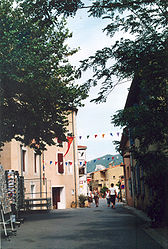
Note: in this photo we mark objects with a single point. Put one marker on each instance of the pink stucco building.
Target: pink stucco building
(54, 174)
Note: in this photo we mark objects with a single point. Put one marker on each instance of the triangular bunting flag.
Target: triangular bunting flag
(70, 139)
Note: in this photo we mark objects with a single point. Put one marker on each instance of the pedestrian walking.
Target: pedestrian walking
(112, 195)
(96, 197)
(119, 196)
(90, 197)
(108, 197)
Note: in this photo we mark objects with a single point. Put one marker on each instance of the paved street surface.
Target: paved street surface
(82, 228)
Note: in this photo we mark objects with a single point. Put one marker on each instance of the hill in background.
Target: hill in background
(104, 161)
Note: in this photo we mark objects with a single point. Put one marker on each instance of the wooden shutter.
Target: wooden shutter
(35, 163)
(23, 160)
(60, 163)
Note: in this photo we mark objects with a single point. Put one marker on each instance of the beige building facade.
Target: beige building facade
(104, 177)
(53, 175)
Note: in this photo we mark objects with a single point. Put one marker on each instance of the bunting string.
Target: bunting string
(103, 135)
(82, 163)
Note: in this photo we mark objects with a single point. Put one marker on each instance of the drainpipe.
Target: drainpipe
(74, 156)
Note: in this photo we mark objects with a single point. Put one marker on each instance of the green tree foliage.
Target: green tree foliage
(36, 80)
(143, 25)
(47, 11)
(142, 55)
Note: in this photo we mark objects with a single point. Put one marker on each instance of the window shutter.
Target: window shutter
(60, 163)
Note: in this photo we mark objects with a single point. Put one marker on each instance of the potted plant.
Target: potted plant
(82, 199)
(73, 204)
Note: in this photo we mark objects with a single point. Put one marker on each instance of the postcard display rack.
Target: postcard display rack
(11, 198)
(5, 205)
(15, 188)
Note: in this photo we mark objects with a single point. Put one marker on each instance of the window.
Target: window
(81, 171)
(60, 163)
(23, 160)
(35, 163)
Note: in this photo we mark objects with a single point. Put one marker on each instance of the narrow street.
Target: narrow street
(82, 228)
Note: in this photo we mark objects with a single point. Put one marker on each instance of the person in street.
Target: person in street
(119, 196)
(112, 195)
(90, 198)
(108, 197)
(96, 197)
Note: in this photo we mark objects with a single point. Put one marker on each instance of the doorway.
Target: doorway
(58, 197)
(32, 191)
(55, 197)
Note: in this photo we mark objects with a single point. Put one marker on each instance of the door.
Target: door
(32, 191)
(55, 197)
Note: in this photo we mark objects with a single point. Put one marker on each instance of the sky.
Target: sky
(95, 119)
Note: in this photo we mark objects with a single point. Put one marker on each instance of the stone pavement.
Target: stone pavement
(83, 228)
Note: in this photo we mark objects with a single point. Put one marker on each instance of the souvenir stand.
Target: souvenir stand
(15, 188)
(5, 205)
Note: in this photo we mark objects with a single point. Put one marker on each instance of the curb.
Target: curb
(162, 240)
(160, 237)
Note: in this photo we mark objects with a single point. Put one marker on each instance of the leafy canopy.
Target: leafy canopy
(36, 80)
(143, 25)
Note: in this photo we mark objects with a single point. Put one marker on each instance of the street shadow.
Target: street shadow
(44, 215)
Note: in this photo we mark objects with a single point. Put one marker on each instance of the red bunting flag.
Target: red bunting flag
(70, 139)
(56, 163)
(95, 135)
(103, 135)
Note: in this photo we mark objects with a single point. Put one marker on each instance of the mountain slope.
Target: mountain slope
(104, 161)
